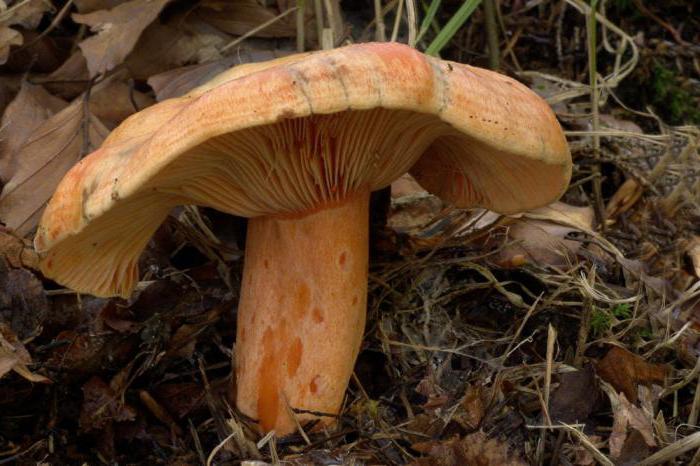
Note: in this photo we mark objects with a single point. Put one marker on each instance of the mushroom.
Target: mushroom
(297, 144)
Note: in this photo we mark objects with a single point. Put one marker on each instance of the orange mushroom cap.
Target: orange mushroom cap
(293, 135)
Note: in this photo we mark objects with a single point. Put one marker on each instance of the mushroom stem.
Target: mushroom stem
(301, 314)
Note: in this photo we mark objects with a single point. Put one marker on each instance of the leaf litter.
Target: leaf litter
(542, 338)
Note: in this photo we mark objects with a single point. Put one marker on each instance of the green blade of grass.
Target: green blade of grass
(429, 16)
(452, 26)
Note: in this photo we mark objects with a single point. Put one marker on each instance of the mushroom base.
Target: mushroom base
(301, 315)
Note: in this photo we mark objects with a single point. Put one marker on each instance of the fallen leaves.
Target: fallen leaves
(104, 404)
(30, 108)
(540, 236)
(474, 449)
(17, 252)
(53, 148)
(626, 418)
(240, 16)
(14, 356)
(625, 371)
(118, 30)
(573, 401)
(27, 14)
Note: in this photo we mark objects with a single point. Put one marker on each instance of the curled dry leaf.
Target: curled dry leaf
(118, 30)
(628, 417)
(29, 109)
(26, 14)
(17, 252)
(540, 235)
(54, 147)
(15, 357)
(625, 371)
(624, 198)
(693, 252)
(8, 38)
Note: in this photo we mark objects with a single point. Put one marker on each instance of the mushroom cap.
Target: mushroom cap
(297, 133)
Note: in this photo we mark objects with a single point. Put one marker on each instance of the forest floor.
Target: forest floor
(567, 335)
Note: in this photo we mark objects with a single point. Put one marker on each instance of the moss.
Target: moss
(676, 104)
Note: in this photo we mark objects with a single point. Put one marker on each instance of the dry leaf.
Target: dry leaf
(625, 371)
(102, 406)
(412, 207)
(539, 236)
(17, 252)
(627, 416)
(179, 81)
(693, 253)
(116, 101)
(70, 79)
(163, 47)
(573, 401)
(15, 357)
(88, 6)
(26, 14)
(30, 108)
(8, 38)
(240, 16)
(474, 450)
(118, 30)
(624, 198)
(46, 156)
(23, 303)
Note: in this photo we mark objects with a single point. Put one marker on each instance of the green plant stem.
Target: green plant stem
(492, 34)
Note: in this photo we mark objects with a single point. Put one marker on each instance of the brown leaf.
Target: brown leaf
(102, 405)
(15, 357)
(625, 371)
(180, 398)
(118, 30)
(240, 16)
(17, 252)
(474, 450)
(575, 397)
(624, 198)
(412, 207)
(8, 38)
(23, 303)
(163, 47)
(539, 236)
(693, 252)
(54, 147)
(29, 109)
(179, 81)
(474, 403)
(627, 417)
(116, 101)
(27, 14)
(65, 81)
(88, 6)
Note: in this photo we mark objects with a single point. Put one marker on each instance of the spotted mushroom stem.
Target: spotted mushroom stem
(301, 314)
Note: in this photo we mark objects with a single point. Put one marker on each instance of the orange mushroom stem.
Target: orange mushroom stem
(301, 314)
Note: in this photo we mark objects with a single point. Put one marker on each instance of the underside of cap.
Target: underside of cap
(293, 135)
